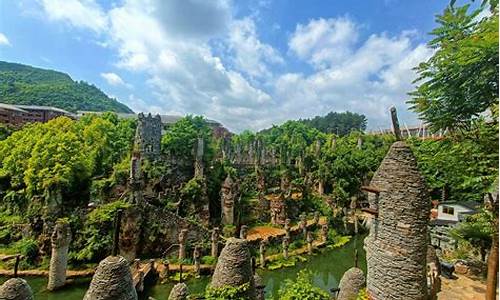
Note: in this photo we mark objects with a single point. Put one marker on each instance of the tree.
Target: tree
(477, 231)
(460, 81)
(338, 123)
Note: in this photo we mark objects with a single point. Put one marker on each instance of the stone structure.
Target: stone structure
(60, 240)
(179, 292)
(351, 283)
(196, 259)
(16, 289)
(309, 240)
(112, 281)
(182, 244)
(303, 225)
(284, 244)
(287, 228)
(130, 232)
(228, 201)
(259, 287)
(316, 218)
(397, 244)
(433, 272)
(214, 240)
(198, 163)
(148, 135)
(234, 267)
(278, 211)
(135, 180)
(262, 253)
(324, 233)
(243, 232)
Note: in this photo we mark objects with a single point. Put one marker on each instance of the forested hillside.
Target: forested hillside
(22, 84)
(339, 123)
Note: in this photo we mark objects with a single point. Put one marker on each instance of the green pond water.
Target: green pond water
(327, 268)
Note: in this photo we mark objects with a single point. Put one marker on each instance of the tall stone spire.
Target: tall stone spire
(397, 244)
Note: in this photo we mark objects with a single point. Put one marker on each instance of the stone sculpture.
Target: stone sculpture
(60, 240)
(179, 292)
(351, 283)
(228, 199)
(182, 244)
(214, 239)
(16, 289)
(243, 232)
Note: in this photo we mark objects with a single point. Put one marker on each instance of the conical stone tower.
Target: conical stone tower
(234, 267)
(397, 244)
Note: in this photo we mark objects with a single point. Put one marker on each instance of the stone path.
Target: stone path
(462, 288)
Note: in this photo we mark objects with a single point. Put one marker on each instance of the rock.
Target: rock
(179, 292)
(112, 281)
(16, 289)
(351, 283)
(60, 240)
(396, 247)
(234, 267)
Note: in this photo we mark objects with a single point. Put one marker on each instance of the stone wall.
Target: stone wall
(148, 135)
(397, 244)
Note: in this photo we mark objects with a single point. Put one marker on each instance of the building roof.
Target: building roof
(5, 106)
(41, 107)
(441, 222)
(472, 205)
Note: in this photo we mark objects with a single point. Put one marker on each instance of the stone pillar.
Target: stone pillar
(285, 243)
(303, 224)
(360, 143)
(182, 244)
(228, 200)
(196, 259)
(316, 218)
(309, 239)
(324, 233)
(112, 281)
(234, 267)
(60, 240)
(198, 164)
(16, 289)
(287, 228)
(243, 232)
(130, 232)
(354, 205)
(215, 242)
(351, 283)
(396, 247)
(259, 287)
(262, 253)
(179, 292)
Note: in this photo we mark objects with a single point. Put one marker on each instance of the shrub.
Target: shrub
(302, 289)
(227, 292)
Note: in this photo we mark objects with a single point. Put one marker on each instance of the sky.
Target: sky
(248, 64)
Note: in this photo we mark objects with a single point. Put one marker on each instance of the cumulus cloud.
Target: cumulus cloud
(251, 56)
(324, 42)
(113, 78)
(78, 13)
(4, 41)
(174, 44)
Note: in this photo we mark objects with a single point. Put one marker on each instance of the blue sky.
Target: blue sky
(248, 64)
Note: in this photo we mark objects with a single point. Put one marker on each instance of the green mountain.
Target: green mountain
(22, 84)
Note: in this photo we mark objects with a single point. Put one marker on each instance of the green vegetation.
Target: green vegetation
(227, 292)
(302, 289)
(21, 84)
(339, 123)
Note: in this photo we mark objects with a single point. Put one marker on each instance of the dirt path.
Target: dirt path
(462, 288)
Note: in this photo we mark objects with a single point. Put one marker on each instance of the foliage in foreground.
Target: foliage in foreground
(302, 289)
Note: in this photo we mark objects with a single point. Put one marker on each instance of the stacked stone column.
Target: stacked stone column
(60, 240)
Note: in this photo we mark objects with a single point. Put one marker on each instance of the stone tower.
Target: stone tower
(60, 240)
(148, 135)
(397, 244)
(228, 201)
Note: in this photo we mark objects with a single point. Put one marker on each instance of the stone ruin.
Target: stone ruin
(234, 267)
(397, 244)
(278, 211)
(16, 289)
(112, 281)
(148, 135)
(350, 284)
(179, 292)
(60, 240)
(229, 199)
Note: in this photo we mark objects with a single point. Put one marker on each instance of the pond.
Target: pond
(327, 269)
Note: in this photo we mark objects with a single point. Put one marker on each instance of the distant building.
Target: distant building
(446, 216)
(18, 115)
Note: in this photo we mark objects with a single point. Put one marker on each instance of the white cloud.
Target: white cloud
(113, 78)
(177, 53)
(323, 42)
(78, 13)
(251, 56)
(4, 41)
